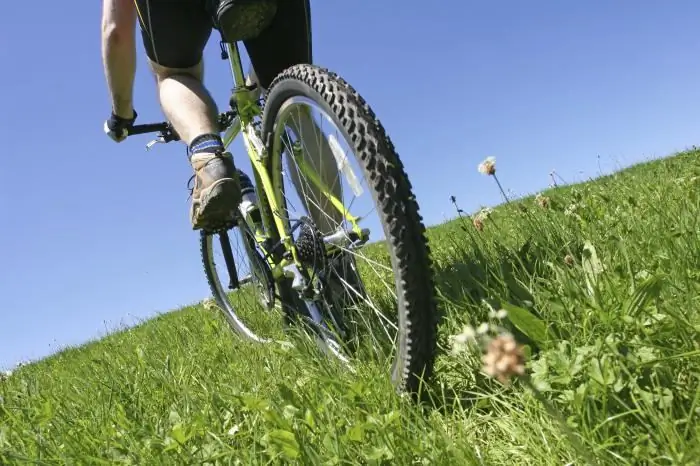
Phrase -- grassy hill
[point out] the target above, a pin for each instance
(605, 274)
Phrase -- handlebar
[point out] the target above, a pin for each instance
(166, 132)
(150, 128)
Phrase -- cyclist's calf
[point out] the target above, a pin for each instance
(185, 101)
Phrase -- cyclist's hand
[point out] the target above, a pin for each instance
(117, 127)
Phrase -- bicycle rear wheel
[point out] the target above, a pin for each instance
(411, 296)
(241, 283)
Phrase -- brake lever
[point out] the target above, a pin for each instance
(159, 139)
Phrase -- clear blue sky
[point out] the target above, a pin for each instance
(94, 234)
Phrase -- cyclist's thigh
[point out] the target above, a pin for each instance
(174, 32)
(286, 42)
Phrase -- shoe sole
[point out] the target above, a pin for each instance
(245, 19)
(217, 205)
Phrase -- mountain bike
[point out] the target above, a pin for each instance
(292, 268)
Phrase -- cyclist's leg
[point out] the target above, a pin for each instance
(287, 42)
(174, 36)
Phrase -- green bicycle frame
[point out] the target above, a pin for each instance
(248, 109)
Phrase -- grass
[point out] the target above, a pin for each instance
(601, 282)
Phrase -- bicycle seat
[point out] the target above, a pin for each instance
(242, 19)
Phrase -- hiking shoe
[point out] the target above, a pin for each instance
(216, 193)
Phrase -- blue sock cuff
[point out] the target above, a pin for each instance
(206, 143)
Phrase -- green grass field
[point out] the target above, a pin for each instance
(601, 281)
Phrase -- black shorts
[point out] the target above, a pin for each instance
(175, 33)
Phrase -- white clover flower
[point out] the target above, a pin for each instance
(462, 340)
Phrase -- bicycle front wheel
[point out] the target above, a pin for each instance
(406, 301)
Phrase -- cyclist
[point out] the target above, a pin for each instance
(174, 34)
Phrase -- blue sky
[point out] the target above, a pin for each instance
(95, 234)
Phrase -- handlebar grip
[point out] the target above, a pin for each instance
(147, 128)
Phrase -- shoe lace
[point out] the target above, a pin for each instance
(190, 187)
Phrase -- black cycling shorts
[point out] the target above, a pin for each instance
(175, 32)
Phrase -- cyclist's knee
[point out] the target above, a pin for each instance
(163, 72)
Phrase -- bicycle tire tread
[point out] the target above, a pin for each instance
(410, 248)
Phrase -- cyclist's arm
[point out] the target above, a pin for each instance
(119, 53)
